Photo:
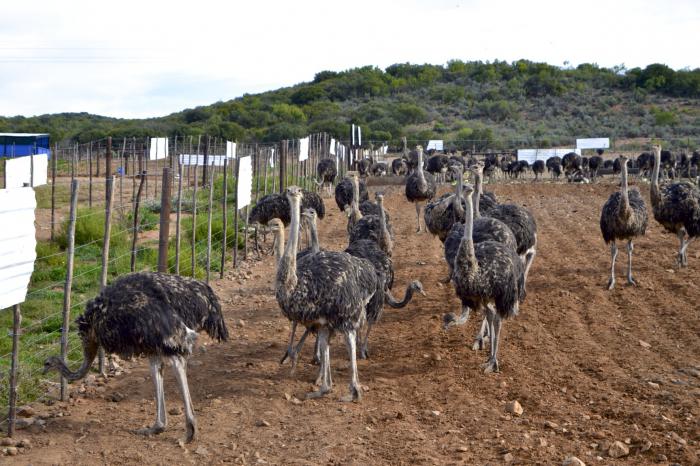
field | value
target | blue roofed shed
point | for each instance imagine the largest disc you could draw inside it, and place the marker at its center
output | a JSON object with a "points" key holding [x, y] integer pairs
{"points": [[21, 144]]}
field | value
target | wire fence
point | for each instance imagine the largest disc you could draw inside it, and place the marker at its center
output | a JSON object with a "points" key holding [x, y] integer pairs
{"points": [[88, 172]]}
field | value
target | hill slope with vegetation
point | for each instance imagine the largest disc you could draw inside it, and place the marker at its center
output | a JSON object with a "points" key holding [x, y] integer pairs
{"points": [[467, 104]]}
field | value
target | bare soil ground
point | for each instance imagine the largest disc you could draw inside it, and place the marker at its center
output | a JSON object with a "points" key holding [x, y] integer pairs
{"points": [[589, 367]]}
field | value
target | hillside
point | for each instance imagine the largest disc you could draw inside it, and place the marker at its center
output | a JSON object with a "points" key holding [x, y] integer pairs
{"points": [[495, 104]]}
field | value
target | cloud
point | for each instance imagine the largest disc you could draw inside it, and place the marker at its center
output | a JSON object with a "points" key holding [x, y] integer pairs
{"points": [[152, 58]]}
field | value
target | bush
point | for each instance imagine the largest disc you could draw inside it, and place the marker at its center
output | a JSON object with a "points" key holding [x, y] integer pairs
{"points": [[89, 227]]}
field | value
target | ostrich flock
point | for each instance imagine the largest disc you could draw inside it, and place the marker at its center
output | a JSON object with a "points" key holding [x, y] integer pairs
{"points": [[489, 248]]}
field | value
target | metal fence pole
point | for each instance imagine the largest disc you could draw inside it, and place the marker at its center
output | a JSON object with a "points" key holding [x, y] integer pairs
{"points": [[70, 252]]}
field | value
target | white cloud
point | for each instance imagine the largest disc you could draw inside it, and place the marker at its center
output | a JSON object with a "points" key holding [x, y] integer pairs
{"points": [[150, 58]]}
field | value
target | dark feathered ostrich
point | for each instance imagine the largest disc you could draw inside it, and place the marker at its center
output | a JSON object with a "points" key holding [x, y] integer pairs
{"points": [[517, 218], [326, 171], [150, 314], [645, 163], [420, 186], [488, 276], [624, 217], [378, 169], [676, 206], [399, 167], [439, 215], [572, 164], [538, 168], [375, 228], [307, 296], [594, 164], [344, 192], [364, 166], [437, 165]]}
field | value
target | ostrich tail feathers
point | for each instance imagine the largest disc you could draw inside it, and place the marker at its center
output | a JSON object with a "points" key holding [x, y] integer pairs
{"points": [[214, 324]]}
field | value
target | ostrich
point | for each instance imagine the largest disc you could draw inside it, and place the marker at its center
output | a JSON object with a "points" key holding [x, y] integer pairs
{"points": [[594, 164], [308, 297], [420, 186], [364, 166], [374, 227], [624, 217], [344, 192], [519, 220], [326, 171], [378, 169], [616, 167], [353, 212], [538, 168], [440, 214], [572, 165], [399, 167], [372, 208], [155, 315], [488, 276], [437, 166], [645, 163], [676, 206]]}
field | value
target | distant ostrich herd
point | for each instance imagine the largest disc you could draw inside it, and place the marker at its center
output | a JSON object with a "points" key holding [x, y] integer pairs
{"points": [[489, 248]]}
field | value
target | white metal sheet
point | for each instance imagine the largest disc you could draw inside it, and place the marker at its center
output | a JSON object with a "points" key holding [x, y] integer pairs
{"points": [[332, 149], [303, 149], [18, 171], [158, 149], [543, 154], [230, 150], [245, 181], [17, 244], [593, 143], [193, 159], [436, 144]]}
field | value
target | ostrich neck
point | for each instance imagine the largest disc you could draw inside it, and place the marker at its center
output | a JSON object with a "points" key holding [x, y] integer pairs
{"points": [[394, 303], [355, 194], [315, 245], [385, 239], [624, 191], [466, 254], [457, 206], [89, 355], [654, 188], [279, 243], [421, 176], [287, 271], [476, 196]]}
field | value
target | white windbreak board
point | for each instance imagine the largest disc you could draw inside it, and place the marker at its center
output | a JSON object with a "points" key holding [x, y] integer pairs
{"points": [[303, 149], [230, 150], [272, 158], [17, 244], [543, 154], [436, 144], [245, 181], [331, 151], [193, 159], [18, 171], [593, 143], [158, 149]]}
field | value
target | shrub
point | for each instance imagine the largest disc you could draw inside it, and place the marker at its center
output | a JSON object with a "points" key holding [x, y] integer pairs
{"points": [[89, 227]]}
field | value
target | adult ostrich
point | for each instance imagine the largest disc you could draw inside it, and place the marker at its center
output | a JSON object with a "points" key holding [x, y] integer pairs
{"points": [[538, 168], [594, 164], [326, 171], [277, 206], [420, 186], [364, 166], [151, 314], [572, 165], [624, 217], [488, 276], [645, 163], [375, 228], [344, 192], [308, 297], [676, 206], [437, 166], [399, 167], [440, 214], [378, 169]]}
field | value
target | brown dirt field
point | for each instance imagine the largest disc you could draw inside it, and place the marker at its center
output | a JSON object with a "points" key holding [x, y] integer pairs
{"points": [[589, 366]]}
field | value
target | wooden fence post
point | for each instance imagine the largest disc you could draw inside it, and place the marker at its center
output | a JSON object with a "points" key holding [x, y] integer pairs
{"points": [[90, 176], [16, 325], [109, 195], [194, 223], [209, 212], [68, 285], [164, 233], [135, 233], [53, 192], [235, 216], [177, 218], [224, 213]]}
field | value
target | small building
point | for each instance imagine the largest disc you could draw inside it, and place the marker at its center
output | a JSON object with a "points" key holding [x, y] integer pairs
{"points": [[21, 144]]}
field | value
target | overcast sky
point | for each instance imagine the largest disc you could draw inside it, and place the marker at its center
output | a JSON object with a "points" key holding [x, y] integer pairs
{"points": [[150, 57]]}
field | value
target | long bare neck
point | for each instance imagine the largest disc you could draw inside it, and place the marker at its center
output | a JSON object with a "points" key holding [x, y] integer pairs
{"points": [[89, 355], [279, 242], [476, 194], [287, 270], [419, 169], [457, 200], [624, 190], [466, 254], [315, 245], [387, 245], [654, 188]]}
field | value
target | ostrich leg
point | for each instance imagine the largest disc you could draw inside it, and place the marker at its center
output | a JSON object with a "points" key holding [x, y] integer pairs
{"points": [[355, 389], [418, 215], [161, 419], [291, 353], [684, 251], [324, 369], [630, 248], [180, 369], [364, 345], [481, 335], [613, 255], [529, 259], [451, 319], [495, 330], [682, 260]]}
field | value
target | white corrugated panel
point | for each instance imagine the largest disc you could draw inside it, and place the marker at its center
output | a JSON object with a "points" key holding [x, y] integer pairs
{"points": [[230, 150], [543, 154], [158, 149], [18, 170], [245, 181], [303, 149], [193, 159], [332, 149], [436, 144], [593, 143], [17, 244]]}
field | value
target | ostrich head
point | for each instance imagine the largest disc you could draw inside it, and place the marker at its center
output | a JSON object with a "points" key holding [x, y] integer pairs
{"points": [[308, 216], [417, 286], [52, 363], [295, 192], [467, 189], [379, 196]]}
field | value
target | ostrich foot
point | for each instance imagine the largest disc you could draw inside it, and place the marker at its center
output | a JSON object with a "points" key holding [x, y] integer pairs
{"points": [[355, 395], [490, 366], [611, 284], [321, 392], [191, 432], [364, 353], [148, 431], [479, 343], [450, 319], [631, 281], [445, 280]]}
